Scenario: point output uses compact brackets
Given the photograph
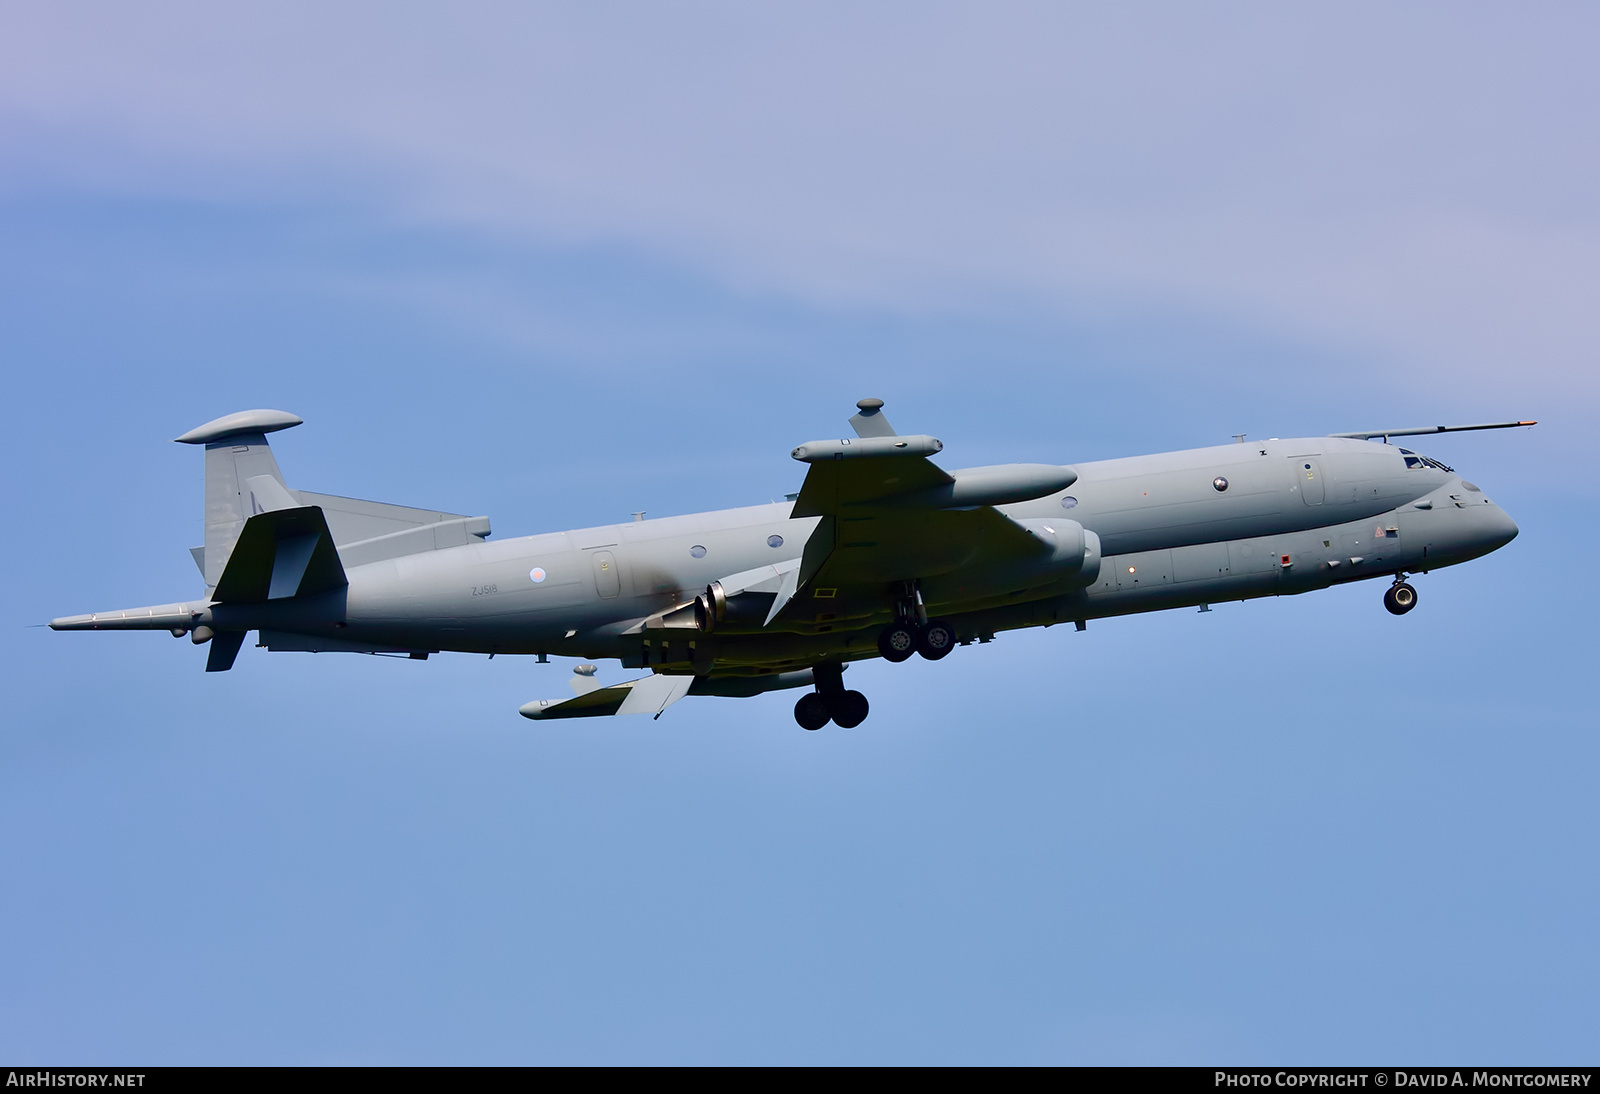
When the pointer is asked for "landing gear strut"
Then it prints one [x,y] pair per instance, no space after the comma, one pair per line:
[831,702]
[1400,598]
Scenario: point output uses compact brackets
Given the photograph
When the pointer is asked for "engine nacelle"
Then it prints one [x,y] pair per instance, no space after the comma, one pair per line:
[1074,550]
[715,607]
[999,485]
[711,607]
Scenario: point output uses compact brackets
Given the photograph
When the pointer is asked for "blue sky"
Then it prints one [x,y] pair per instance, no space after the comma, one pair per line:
[564,265]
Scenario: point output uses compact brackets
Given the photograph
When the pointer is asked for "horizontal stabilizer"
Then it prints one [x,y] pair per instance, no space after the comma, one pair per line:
[161,617]
[456,532]
[1418,431]
[354,522]
[284,553]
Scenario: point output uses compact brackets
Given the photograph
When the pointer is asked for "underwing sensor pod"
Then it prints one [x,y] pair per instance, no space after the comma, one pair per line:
[882,554]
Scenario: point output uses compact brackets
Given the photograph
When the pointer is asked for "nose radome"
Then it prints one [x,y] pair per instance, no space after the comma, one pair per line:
[1501,528]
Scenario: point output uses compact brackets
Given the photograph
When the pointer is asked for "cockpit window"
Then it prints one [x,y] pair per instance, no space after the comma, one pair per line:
[1414,461]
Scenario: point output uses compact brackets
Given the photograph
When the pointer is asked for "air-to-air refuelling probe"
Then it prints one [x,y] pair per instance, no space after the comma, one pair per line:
[882,553]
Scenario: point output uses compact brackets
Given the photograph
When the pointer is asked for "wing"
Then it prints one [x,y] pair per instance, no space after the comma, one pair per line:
[890,515]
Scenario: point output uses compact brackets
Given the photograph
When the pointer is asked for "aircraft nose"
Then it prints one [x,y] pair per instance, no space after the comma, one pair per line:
[1499,528]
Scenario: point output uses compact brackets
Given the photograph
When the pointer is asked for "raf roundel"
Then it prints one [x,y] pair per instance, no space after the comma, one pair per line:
[536,574]
[1219,484]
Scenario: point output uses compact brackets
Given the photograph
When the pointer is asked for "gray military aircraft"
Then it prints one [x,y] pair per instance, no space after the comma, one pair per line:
[882,553]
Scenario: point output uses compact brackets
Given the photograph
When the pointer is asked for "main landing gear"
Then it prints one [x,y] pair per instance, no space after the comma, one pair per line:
[831,702]
[913,632]
[1400,598]
[933,639]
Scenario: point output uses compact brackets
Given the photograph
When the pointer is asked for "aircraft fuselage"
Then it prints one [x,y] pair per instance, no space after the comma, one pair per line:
[882,553]
[1290,517]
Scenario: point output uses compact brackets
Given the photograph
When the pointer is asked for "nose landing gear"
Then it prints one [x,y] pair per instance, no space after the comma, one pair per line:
[1400,598]
[831,702]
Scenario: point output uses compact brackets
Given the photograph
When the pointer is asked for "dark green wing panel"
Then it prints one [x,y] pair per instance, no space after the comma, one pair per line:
[869,537]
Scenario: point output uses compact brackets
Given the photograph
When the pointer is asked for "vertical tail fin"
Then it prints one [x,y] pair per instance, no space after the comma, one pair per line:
[242,478]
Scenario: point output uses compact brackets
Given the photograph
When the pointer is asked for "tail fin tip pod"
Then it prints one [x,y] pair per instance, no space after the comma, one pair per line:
[245,421]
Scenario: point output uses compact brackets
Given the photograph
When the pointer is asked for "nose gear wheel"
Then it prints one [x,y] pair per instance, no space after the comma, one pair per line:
[1400,598]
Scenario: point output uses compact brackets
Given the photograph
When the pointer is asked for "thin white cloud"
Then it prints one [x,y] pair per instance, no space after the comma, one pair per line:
[1421,182]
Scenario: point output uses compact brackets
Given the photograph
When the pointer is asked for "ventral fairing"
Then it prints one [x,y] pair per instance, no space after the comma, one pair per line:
[882,553]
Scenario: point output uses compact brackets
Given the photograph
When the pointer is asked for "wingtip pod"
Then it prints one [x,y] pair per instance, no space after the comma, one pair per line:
[867,447]
[245,421]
